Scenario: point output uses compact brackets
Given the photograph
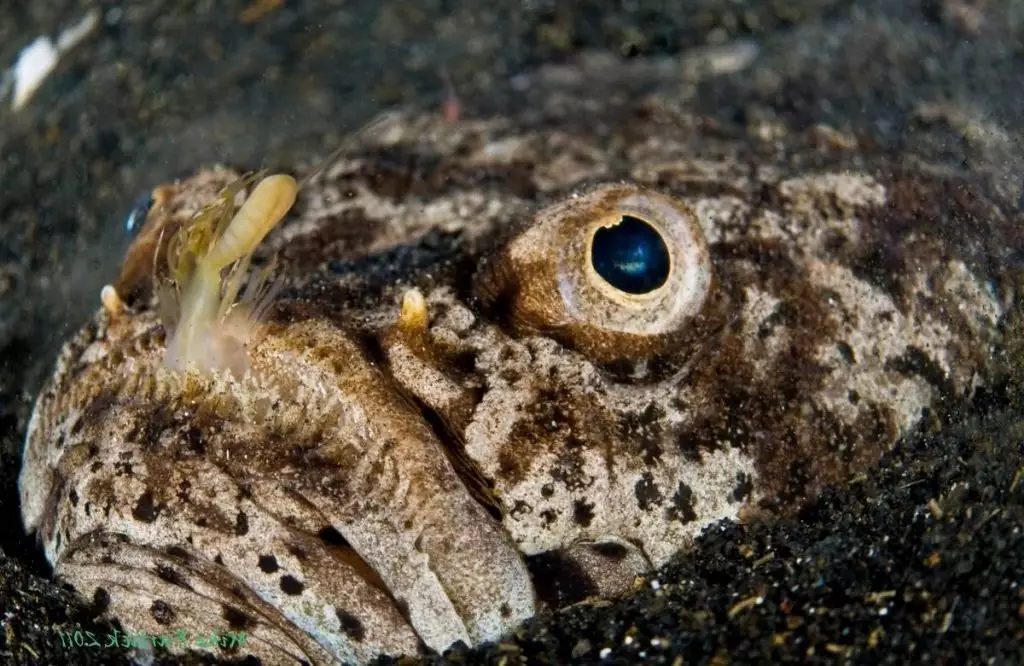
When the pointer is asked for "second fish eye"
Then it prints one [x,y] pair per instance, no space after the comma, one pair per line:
[137,215]
[630,256]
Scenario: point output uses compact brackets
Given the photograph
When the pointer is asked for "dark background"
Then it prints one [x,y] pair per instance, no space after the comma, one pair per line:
[161,88]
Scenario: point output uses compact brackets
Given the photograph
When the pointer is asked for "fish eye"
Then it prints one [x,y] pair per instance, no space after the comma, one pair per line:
[630,255]
[617,272]
[137,215]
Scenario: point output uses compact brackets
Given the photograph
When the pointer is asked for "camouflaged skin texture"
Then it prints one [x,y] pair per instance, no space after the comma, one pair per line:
[380,486]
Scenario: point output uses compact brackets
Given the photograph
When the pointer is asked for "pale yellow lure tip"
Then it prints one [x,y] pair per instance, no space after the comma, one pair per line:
[111,300]
[414,315]
[270,201]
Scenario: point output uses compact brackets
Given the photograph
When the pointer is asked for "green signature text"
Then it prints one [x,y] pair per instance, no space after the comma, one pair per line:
[179,639]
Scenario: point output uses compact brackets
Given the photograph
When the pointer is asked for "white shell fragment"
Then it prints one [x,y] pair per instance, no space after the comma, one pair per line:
[38,60]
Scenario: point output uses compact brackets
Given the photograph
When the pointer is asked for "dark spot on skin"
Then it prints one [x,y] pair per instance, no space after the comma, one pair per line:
[611,550]
[351,625]
[881,266]
[171,576]
[268,564]
[548,516]
[520,508]
[291,585]
[835,242]
[236,619]
[297,552]
[178,551]
[73,496]
[88,508]
[647,492]
[915,362]
[145,510]
[510,374]
[162,612]
[506,611]
[744,486]
[151,426]
[559,580]
[689,445]
[570,469]
[241,524]
[682,508]
[853,396]
[846,351]
[770,324]
[218,559]
[583,512]
[644,432]
[57,496]
[96,409]
[547,490]
[333,537]
[95,467]
[194,439]
[100,600]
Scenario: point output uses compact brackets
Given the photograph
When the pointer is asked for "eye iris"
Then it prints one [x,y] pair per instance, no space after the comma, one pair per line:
[631,256]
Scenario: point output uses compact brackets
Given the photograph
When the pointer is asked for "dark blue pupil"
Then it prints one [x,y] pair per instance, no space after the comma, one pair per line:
[631,256]
[137,215]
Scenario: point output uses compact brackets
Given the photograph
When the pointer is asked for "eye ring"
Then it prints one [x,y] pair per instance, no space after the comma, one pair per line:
[547,280]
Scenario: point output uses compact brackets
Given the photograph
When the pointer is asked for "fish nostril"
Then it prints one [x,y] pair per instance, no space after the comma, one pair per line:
[631,256]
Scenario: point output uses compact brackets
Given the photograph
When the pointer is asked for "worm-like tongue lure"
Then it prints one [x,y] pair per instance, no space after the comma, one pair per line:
[208,259]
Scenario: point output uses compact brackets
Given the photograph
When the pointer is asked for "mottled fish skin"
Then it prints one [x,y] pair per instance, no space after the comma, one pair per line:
[386,480]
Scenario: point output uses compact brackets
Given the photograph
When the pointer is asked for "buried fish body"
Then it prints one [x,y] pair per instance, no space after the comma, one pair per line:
[493,368]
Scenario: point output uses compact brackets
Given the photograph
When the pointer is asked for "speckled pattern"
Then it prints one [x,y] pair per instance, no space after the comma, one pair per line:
[972,204]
